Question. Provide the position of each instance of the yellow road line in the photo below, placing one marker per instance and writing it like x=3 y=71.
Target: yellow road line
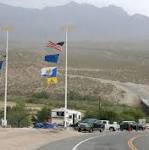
x=130 y=141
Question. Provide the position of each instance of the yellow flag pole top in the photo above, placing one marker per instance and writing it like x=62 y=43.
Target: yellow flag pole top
x=7 y=28
x=68 y=28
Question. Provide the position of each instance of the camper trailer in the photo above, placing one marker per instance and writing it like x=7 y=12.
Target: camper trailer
x=72 y=116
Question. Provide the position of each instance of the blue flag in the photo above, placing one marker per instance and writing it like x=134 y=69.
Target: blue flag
x=1 y=64
x=52 y=58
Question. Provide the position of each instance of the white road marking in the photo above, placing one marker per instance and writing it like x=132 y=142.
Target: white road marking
x=91 y=138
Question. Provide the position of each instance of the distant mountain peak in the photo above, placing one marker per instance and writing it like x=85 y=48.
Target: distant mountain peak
x=72 y=3
x=106 y=23
x=75 y=4
x=114 y=10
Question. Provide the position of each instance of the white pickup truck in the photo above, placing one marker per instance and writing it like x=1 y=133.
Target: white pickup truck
x=110 y=126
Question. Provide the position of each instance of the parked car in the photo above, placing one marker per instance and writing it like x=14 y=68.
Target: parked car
x=141 y=127
x=98 y=126
x=85 y=127
x=131 y=125
x=127 y=126
x=112 y=126
x=147 y=126
x=90 y=125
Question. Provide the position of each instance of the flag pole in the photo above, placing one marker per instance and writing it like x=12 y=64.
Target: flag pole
x=6 y=82
x=66 y=28
x=66 y=83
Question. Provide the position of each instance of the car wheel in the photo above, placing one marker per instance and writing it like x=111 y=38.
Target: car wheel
x=111 y=129
x=90 y=130
x=101 y=130
x=79 y=130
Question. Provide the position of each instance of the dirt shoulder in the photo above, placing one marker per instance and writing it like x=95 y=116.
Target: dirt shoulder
x=31 y=139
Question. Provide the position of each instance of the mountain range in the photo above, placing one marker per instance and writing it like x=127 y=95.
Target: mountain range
x=91 y=23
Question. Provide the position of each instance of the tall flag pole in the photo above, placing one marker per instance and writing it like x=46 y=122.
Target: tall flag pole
x=7 y=29
x=6 y=81
x=66 y=28
x=66 y=83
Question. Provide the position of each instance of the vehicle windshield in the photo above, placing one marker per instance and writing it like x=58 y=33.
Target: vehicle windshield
x=89 y=120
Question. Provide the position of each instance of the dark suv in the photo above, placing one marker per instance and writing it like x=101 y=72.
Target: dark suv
x=90 y=125
x=131 y=126
x=85 y=127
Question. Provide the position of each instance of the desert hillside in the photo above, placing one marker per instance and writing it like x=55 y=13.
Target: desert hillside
x=123 y=62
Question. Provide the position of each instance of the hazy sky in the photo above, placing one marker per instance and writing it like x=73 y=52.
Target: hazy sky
x=131 y=6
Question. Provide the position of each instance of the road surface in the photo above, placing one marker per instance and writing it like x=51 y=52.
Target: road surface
x=103 y=141
x=142 y=142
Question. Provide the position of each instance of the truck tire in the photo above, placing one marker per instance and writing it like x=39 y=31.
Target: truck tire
x=111 y=129
x=90 y=130
x=79 y=130
x=100 y=130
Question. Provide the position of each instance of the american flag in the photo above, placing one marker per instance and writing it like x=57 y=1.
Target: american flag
x=57 y=46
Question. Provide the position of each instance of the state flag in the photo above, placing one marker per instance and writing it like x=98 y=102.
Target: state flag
x=51 y=81
x=51 y=58
x=49 y=72
x=1 y=64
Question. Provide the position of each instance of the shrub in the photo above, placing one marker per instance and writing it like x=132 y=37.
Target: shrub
x=41 y=95
x=18 y=115
x=115 y=115
x=108 y=115
x=44 y=114
x=134 y=113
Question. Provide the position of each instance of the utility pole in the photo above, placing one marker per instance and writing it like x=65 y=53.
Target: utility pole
x=99 y=106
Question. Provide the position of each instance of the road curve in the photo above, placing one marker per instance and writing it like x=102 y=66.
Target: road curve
x=100 y=141
x=141 y=142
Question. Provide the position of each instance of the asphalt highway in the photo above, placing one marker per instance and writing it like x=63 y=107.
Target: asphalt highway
x=103 y=141
x=142 y=142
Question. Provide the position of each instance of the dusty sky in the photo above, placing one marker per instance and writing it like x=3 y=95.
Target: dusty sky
x=131 y=6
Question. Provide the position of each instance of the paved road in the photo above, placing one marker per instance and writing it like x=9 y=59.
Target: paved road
x=101 y=141
x=142 y=142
